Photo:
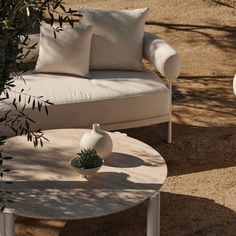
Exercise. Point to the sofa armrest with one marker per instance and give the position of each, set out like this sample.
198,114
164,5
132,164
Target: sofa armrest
162,55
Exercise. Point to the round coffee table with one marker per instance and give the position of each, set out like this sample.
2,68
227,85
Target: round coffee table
45,186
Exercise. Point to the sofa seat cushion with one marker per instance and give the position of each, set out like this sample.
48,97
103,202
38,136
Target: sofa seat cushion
108,97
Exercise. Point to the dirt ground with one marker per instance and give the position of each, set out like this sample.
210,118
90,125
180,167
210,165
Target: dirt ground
199,196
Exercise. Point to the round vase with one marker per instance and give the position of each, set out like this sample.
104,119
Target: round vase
98,140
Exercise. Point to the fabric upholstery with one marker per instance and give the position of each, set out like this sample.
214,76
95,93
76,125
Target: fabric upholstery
162,55
117,43
108,97
68,53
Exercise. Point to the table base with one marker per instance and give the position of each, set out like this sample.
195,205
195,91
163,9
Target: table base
7,224
7,220
153,215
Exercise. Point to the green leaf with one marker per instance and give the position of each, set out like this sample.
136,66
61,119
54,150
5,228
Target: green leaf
71,22
35,142
39,105
49,103
26,54
33,104
46,109
14,103
55,35
7,157
60,19
28,118
27,124
63,8
2,119
23,108
2,208
70,11
41,142
22,131
57,5
51,18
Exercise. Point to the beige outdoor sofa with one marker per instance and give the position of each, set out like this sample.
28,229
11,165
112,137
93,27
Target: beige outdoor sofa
115,99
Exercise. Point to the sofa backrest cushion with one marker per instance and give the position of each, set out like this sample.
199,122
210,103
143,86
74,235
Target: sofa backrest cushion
67,53
117,42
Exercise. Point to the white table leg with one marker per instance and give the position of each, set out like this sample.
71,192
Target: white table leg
153,215
10,224
2,224
7,224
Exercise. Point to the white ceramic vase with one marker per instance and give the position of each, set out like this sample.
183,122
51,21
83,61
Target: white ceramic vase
99,140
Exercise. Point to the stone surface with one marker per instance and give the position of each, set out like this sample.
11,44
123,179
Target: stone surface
45,186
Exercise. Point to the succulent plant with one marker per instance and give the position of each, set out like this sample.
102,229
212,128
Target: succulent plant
87,159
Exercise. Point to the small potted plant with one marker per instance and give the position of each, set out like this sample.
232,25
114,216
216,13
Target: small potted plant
87,162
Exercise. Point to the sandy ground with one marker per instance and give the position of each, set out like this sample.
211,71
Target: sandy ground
199,196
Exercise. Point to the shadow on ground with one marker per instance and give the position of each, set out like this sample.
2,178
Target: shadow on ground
214,91
194,218
224,3
225,41
193,149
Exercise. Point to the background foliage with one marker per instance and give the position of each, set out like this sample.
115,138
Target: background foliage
17,19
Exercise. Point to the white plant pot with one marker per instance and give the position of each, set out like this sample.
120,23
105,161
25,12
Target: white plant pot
99,140
86,173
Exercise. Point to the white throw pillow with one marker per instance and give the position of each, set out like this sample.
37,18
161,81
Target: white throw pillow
68,53
117,43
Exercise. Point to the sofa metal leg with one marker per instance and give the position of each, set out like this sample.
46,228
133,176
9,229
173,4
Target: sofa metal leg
169,138
2,224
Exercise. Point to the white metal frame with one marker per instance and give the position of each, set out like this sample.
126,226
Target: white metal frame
7,220
169,139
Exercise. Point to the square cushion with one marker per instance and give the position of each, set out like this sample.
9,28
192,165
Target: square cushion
68,53
117,43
